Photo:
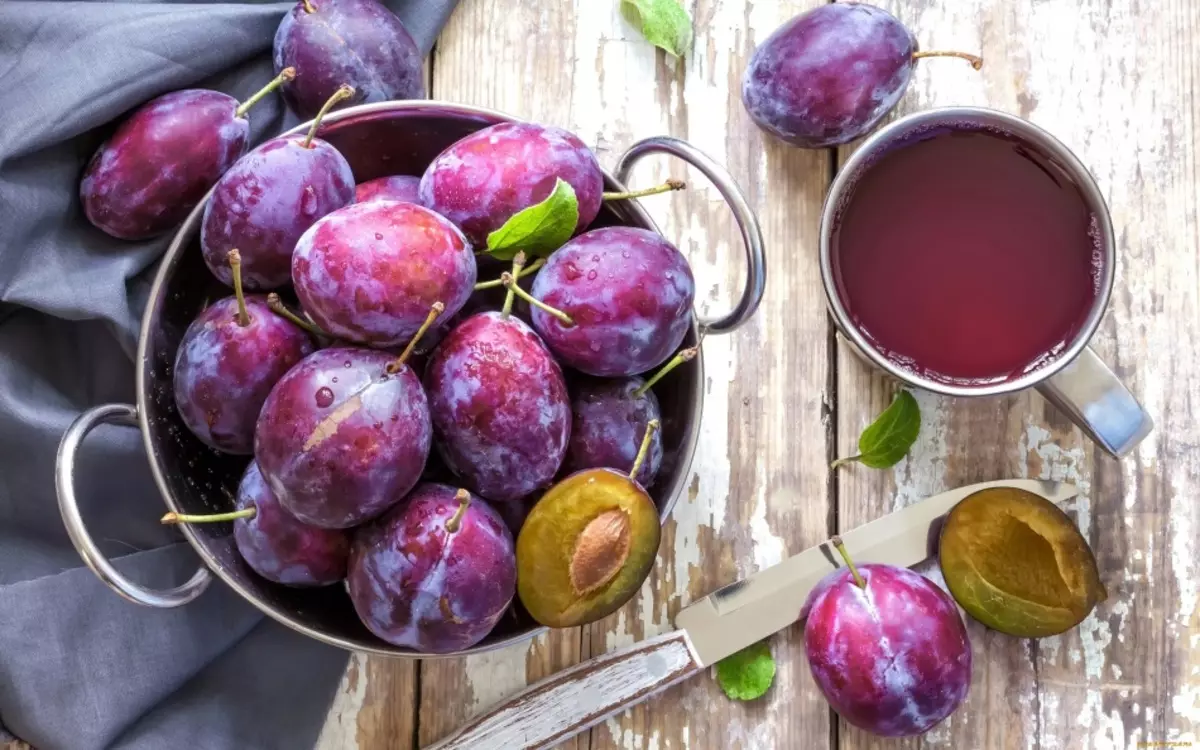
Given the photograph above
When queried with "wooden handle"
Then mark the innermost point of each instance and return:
(567, 703)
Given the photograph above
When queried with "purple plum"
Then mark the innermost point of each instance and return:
(609, 420)
(227, 364)
(830, 75)
(395, 188)
(500, 406)
(628, 293)
(343, 436)
(480, 181)
(278, 546)
(370, 272)
(355, 42)
(162, 160)
(267, 200)
(436, 573)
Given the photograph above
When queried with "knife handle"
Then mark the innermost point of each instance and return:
(569, 702)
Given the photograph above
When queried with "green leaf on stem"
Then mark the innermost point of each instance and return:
(664, 23)
(889, 438)
(540, 229)
(747, 674)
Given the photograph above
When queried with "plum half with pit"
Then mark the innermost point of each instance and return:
(343, 436)
(628, 294)
(480, 181)
(887, 647)
(356, 42)
(394, 188)
(161, 161)
(830, 75)
(500, 407)
(369, 272)
(435, 573)
(267, 200)
(229, 359)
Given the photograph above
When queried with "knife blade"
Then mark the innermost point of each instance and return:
(725, 621)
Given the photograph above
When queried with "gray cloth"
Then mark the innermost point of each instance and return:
(80, 668)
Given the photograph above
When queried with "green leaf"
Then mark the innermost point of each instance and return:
(747, 674)
(889, 438)
(540, 229)
(664, 23)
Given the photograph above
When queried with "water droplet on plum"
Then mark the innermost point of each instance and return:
(324, 397)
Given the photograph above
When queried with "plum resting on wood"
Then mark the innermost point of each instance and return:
(436, 573)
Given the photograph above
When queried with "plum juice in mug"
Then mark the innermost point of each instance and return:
(966, 257)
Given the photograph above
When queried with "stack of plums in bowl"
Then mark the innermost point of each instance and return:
(444, 390)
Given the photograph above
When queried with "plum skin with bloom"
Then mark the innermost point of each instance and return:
(281, 548)
(499, 405)
(265, 202)
(416, 583)
(608, 424)
(161, 161)
(395, 188)
(224, 371)
(480, 181)
(355, 42)
(830, 75)
(629, 293)
(370, 272)
(892, 658)
(340, 439)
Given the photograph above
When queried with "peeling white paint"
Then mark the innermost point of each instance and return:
(341, 725)
(923, 471)
(494, 675)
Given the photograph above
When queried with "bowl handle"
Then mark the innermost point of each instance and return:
(64, 472)
(756, 266)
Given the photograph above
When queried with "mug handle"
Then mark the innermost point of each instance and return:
(1095, 400)
(68, 506)
(756, 266)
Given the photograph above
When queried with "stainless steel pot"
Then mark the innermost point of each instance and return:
(377, 139)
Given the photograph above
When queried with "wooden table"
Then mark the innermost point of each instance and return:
(1117, 81)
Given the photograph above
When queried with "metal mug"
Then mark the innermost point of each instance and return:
(1077, 381)
(385, 138)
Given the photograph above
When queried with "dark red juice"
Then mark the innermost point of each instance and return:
(967, 257)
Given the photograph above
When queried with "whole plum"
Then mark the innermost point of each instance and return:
(355, 42)
(370, 272)
(890, 653)
(227, 364)
(609, 418)
(267, 200)
(161, 161)
(500, 406)
(828, 76)
(480, 181)
(628, 293)
(436, 573)
(279, 547)
(343, 436)
(395, 188)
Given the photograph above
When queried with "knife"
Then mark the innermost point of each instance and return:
(727, 620)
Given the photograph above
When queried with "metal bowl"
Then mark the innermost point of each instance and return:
(377, 139)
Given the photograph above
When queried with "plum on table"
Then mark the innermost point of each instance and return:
(395, 188)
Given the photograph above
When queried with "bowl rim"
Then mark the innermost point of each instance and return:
(179, 243)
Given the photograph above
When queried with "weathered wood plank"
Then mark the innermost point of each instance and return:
(1114, 81)
(374, 708)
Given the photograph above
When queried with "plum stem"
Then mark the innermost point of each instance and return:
(345, 91)
(455, 523)
(975, 60)
(507, 279)
(643, 449)
(285, 75)
(277, 307)
(173, 518)
(836, 541)
(308, 6)
(235, 267)
(518, 262)
(526, 271)
(684, 355)
(666, 187)
(437, 309)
